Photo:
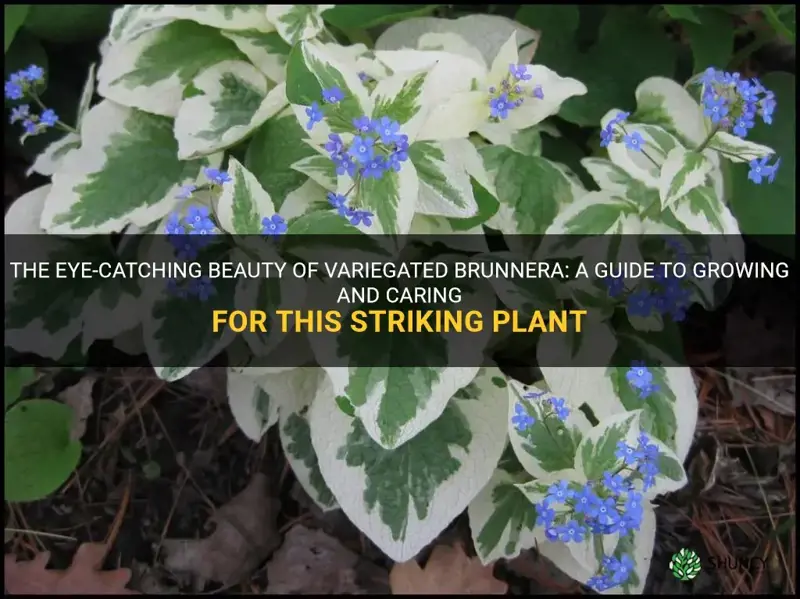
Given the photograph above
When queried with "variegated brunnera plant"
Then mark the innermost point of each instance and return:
(435, 130)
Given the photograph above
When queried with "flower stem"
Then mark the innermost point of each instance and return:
(60, 123)
(707, 140)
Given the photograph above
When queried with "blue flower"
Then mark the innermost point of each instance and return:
(571, 531)
(186, 192)
(197, 217)
(613, 482)
(314, 114)
(644, 449)
(396, 160)
(561, 411)
(633, 503)
(185, 246)
(345, 164)
(560, 492)
(375, 168)
(401, 143)
(358, 217)
(677, 298)
(599, 583)
(647, 390)
(333, 95)
(519, 72)
(362, 149)
(640, 303)
(363, 124)
(338, 201)
(634, 141)
(521, 420)
(760, 169)
(216, 176)
(710, 75)
(30, 127)
(545, 515)
(774, 171)
(33, 73)
(19, 113)
(538, 92)
(335, 145)
(626, 453)
(604, 511)
(364, 77)
(615, 285)
(48, 118)
(768, 105)
(715, 107)
(174, 226)
(551, 533)
(13, 91)
(500, 106)
(388, 130)
(748, 91)
(742, 125)
(639, 376)
(203, 288)
(274, 225)
(584, 499)
(606, 135)
(621, 569)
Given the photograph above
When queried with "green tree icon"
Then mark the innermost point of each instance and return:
(685, 565)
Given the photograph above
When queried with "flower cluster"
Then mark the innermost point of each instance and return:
(572, 512)
(640, 378)
(732, 102)
(192, 233)
(23, 83)
(377, 145)
(667, 295)
(512, 92)
(554, 407)
(197, 230)
(356, 217)
(642, 460)
(521, 420)
(615, 131)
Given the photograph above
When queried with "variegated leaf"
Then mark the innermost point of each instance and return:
(151, 71)
(548, 445)
(267, 51)
(501, 518)
(243, 202)
(232, 104)
(297, 22)
(681, 172)
(402, 498)
(127, 155)
(737, 149)
(445, 188)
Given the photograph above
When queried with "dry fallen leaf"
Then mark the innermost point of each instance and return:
(313, 562)
(448, 572)
(79, 398)
(245, 535)
(83, 577)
